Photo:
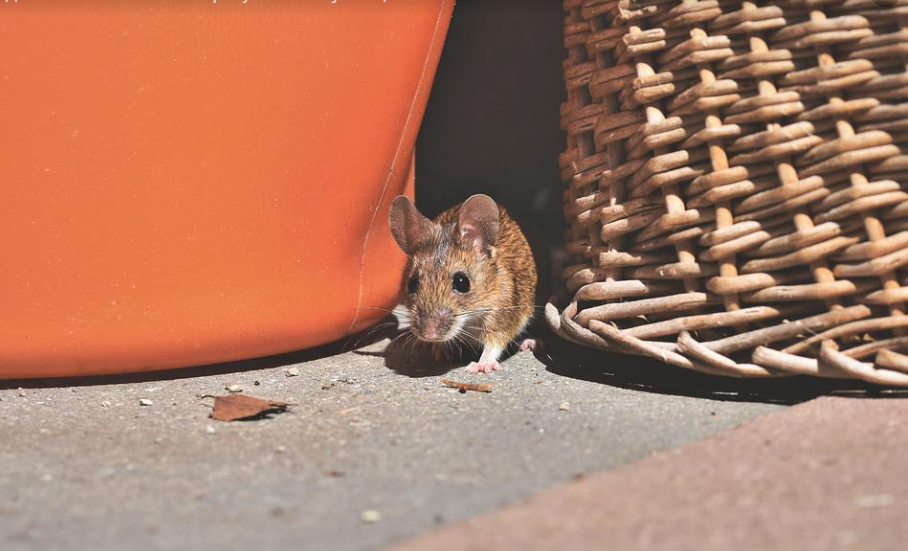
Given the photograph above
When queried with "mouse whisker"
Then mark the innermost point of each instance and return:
(459, 336)
(400, 312)
(369, 333)
(379, 308)
(496, 308)
(405, 338)
(471, 335)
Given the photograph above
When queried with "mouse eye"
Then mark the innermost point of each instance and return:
(461, 283)
(413, 283)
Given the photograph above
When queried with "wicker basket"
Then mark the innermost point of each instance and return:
(736, 185)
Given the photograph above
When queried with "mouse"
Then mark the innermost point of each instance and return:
(471, 278)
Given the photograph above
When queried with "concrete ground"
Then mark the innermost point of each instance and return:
(375, 451)
(825, 475)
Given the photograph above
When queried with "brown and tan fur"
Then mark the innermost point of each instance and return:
(496, 258)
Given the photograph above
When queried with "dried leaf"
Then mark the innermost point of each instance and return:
(463, 387)
(236, 407)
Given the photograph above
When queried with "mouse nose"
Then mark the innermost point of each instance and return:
(430, 330)
(435, 325)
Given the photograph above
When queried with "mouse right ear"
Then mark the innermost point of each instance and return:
(410, 228)
(478, 222)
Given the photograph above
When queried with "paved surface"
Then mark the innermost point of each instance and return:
(825, 475)
(88, 467)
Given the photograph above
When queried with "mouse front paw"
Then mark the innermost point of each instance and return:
(483, 367)
(530, 345)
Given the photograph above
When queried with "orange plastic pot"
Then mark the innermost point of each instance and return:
(185, 183)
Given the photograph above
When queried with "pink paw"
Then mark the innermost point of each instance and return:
(530, 345)
(483, 367)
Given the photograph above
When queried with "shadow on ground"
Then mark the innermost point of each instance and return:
(407, 357)
(640, 373)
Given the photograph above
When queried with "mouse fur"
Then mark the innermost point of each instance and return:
(477, 240)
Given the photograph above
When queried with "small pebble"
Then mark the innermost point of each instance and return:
(20, 392)
(280, 449)
(209, 429)
(234, 388)
(878, 500)
(370, 516)
(292, 372)
(105, 404)
(145, 402)
(564, 406)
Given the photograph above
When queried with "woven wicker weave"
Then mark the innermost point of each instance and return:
(736, 185)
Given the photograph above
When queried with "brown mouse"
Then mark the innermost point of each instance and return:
(471, 277)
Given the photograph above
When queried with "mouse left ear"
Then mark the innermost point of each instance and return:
(409, 227)
(478, 222)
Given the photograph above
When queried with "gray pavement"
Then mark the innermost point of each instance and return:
(821, 476)
(84, 466)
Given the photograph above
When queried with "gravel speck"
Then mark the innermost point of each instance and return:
(145, 402)
(370, 516)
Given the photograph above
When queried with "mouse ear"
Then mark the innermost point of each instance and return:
(410, 228)
(478, 223)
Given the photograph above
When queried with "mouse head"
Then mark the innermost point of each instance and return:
(452, 272)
